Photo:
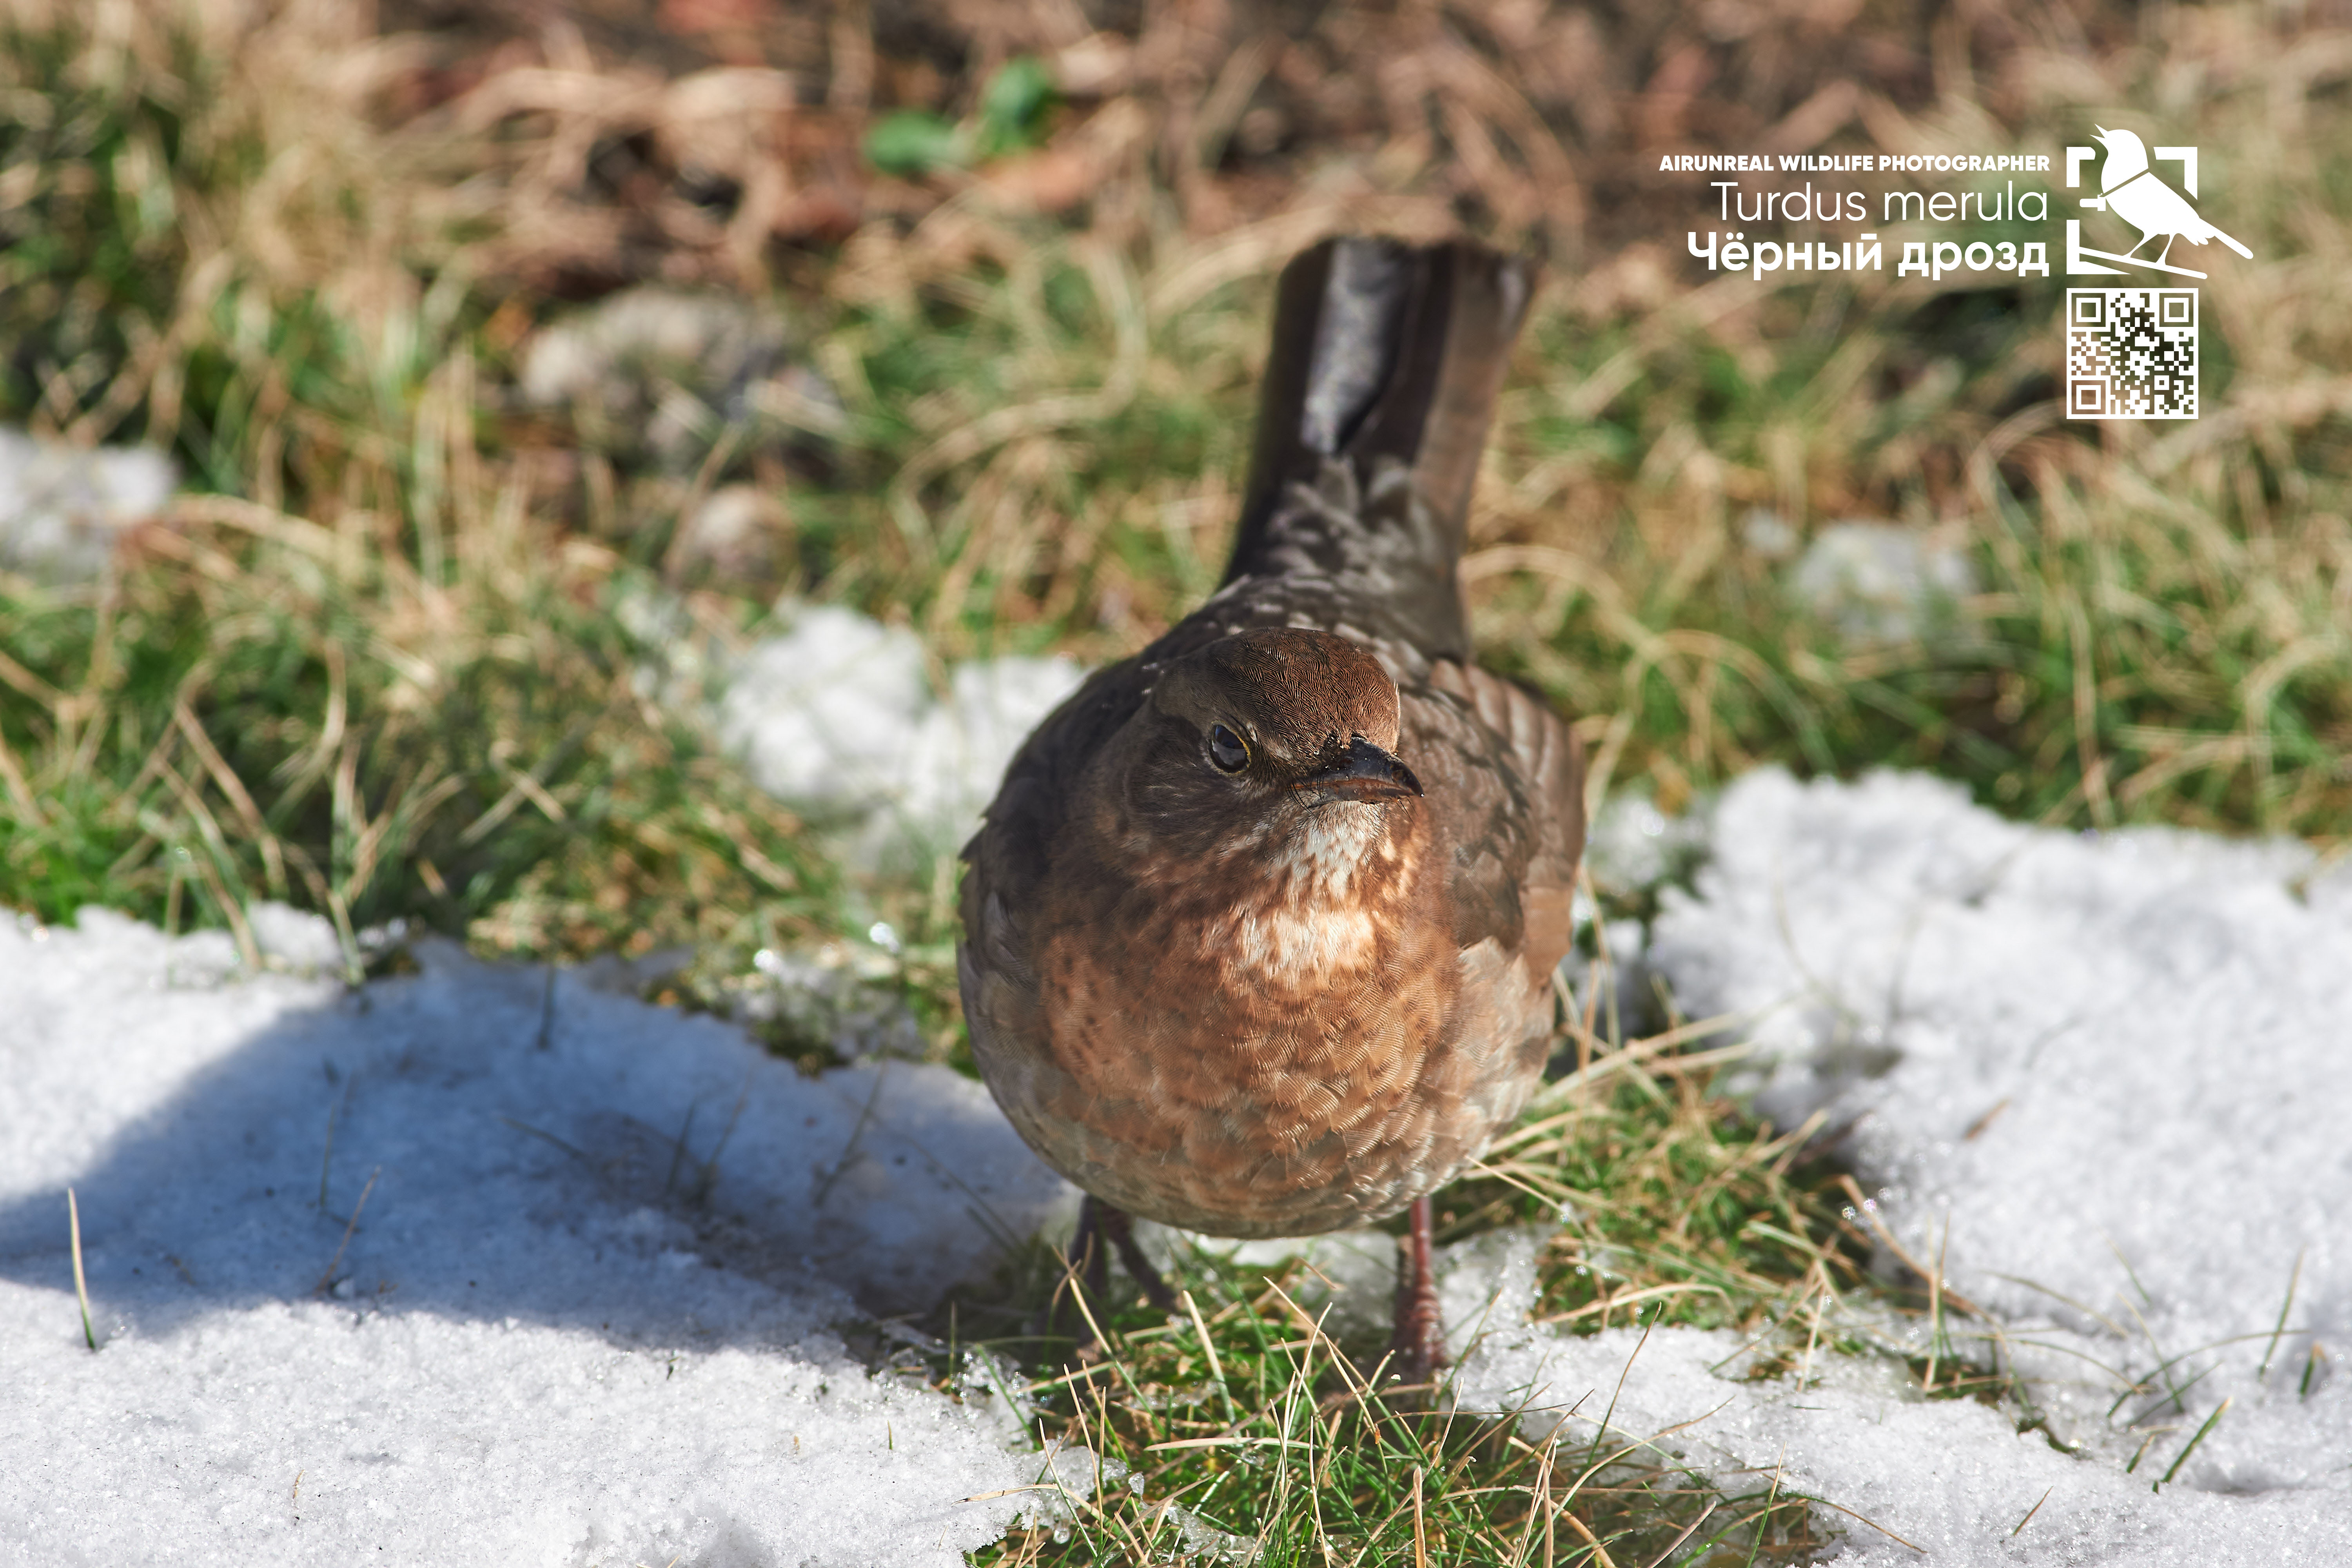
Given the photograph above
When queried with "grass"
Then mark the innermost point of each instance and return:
(385, 659)
(354, 676)
(81, 1284)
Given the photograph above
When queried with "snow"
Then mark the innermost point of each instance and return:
(1878, 581)
(591, 1309)
(888, 752)
(62, 507)
(2107, 1074)
(1950, 1478)
(838, 716)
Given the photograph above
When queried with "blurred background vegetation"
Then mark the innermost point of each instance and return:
(990, 283)
(506, 348)
(982, 287)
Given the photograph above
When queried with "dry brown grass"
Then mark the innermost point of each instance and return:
(2166, 604)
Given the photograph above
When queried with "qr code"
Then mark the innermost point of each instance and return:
(2131, 353)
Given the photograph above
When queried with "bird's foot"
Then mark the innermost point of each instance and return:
(1417, 1352)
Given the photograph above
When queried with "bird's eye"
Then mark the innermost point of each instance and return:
(1227, 749)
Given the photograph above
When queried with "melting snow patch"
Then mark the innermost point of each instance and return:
(1951, 1478)
(839, 717)
(587, 1309)
(62, 507)
(2108, 1073)
(1882, 582)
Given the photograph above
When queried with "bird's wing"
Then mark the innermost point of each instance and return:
(1009, 856)
(1508, 775)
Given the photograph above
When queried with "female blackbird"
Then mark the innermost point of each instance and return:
(1259, 933)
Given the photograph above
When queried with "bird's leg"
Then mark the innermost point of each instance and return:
(1419, 1347)
(1089, 1257)
(2168, 248)
(1118, 1225)
(1103, 1228)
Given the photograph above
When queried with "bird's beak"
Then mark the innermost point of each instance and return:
(1363, 773)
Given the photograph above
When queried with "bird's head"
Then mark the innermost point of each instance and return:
(1264, 737)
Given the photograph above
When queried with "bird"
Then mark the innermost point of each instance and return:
(2132, 192)
(1259, 932)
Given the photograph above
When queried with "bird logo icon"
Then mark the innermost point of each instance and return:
(2134, 192)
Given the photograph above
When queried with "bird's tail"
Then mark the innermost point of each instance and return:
(2231, 243)
(1383, 350)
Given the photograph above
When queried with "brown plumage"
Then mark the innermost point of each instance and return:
(1259, 933)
